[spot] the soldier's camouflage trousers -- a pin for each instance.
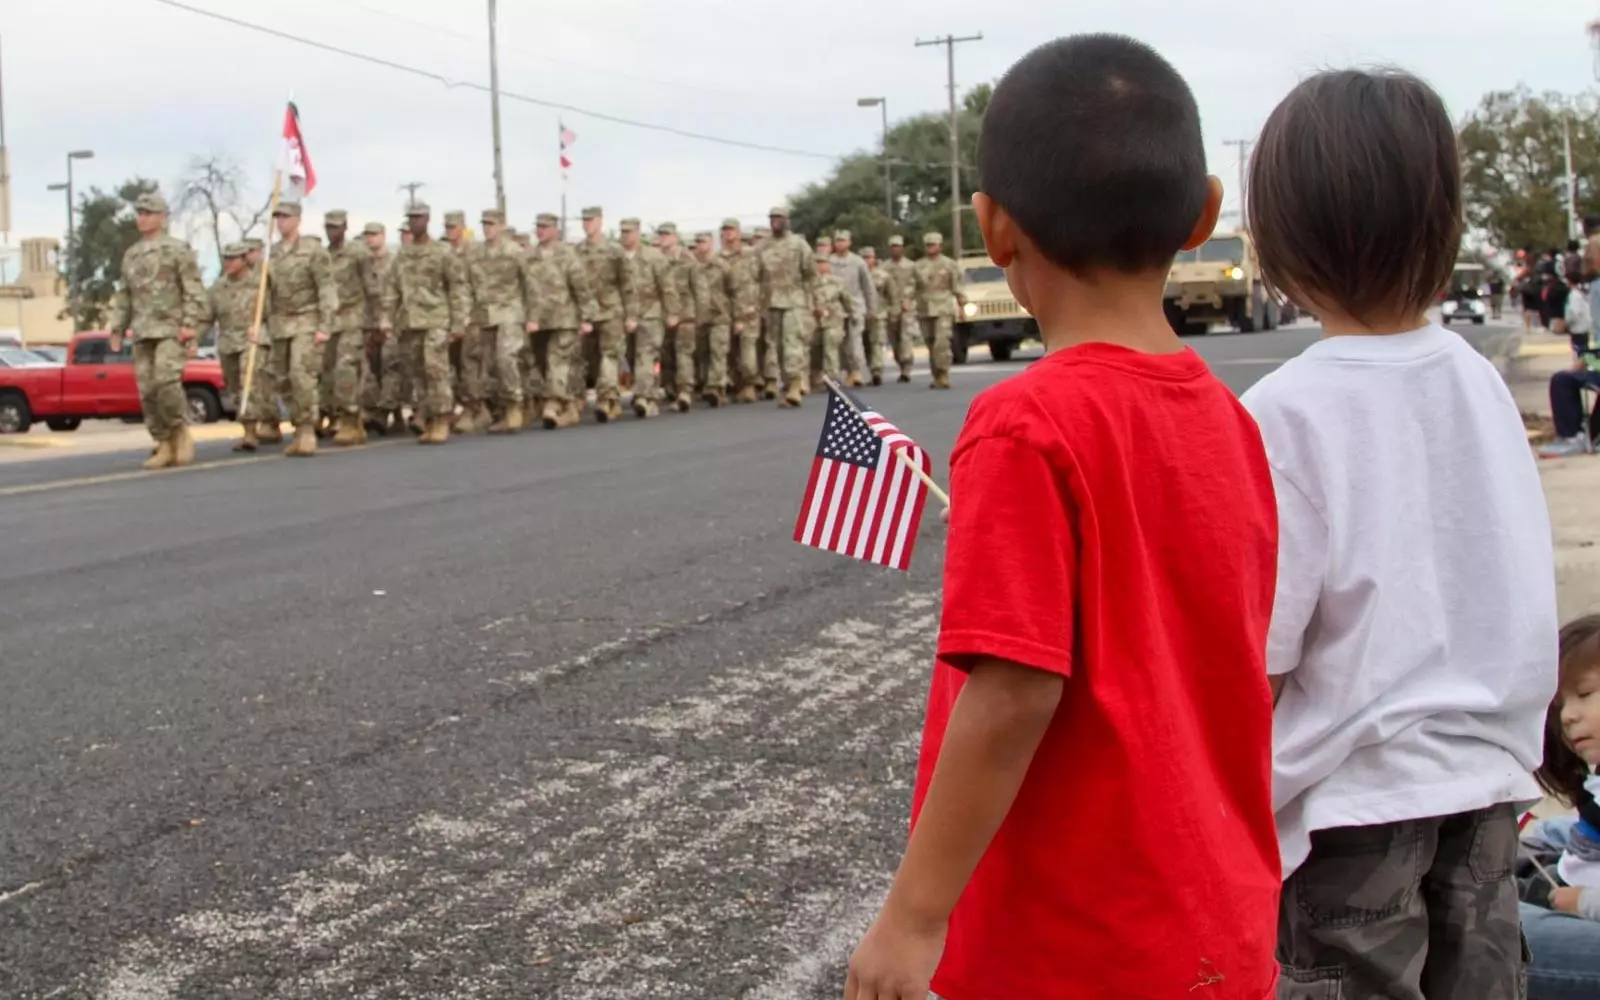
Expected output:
(551, 356)
(342, 359)
(158, 369)
(602, 349)
(903, 329)
(387, 385)
(826, 342)
(644, 351)
(875, 344)
(297, 364)
(936, 334)
(706, 357)
(427, 362)
(791, 343)
(261, 406)
(466, 366)
(504, 347)
(853, 354)
(769, 351)
(749, 373)
(1417, 910)
(669, 359)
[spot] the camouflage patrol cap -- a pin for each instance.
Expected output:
(824, 258)
(823, 245)
(932, 239)
(629, 225)
(418, 208)
(253, 244)
(763, 231)
(233, 250)
(493, 215)
(337, 217)
(730, 223)
(546, 219)
(150, 202)
(869, 251)
(287, 208)
(373, 229)
(667, 229)
(897, 241)
(455, 218)
(702, 237)
(778, 212)
(593, 212)
(841, 234)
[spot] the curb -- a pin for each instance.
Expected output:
(222, 430)
(37, 442)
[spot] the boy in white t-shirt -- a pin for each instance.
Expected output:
(1412, 647)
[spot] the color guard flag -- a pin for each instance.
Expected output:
(296, 164)
(863, 500)
(568, 137)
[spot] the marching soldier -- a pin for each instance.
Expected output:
(686, 276)
(835, 309)
(788, 274)
(884, 304)
(382, 391)
(502, 285)
(429, 283)
(611, 279)
(356, 279)
(745, 269)
(903, 328)
(252, 253)
(466, 350)
(851, 273)
(939, 301)
(303, 303)
(716, 312)
(564, 308)
(231, 307)
(657, 290)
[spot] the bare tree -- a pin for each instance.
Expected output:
(211, 196)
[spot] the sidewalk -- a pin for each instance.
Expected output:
(96, 437)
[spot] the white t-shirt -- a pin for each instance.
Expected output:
(1416, 607)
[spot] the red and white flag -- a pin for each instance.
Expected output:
(863, 500)
(296, 162)
(568, 137)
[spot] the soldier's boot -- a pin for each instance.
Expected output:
(249, 441)
(905, 373)
(325, 426)
(182, 446)
(746, 395)
(510, 423)
(877, 378)
(416, 424)
(269, 432)
(164, 456)
(571, 414)
(795, 395)
(350, 431)
(466, 422)
(941, 380)
(551, 415)
(769, 391)
(437, 432)
(375, 423)
(305, 441)
(713, 397)
(854, 381)
(608, 410)
(682, 403)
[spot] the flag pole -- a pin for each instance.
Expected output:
(261, 298)
(561, 146)
(900, 453)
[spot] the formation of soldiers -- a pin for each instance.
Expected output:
(465, 336)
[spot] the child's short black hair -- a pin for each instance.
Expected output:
(1355, 193)
(1092, 144)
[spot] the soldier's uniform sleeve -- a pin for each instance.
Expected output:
(455, 276)
(528, 282)
(700, 288)
(390, 301)
(582, 292)
(213, 312)
(191, 287)
(848, 301)
(626, 285)
(958, 283)
(371, 288)
(808, 274)
(869, 293)
(327, 291)
(661, 274)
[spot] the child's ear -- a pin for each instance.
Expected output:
(1207, 223)
(999, 232)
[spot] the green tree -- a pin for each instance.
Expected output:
(1513, 161)
(852, 196)
(106, 229)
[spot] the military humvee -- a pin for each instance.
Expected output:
(992, 315)
(1220, 282)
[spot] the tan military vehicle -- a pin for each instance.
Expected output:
(992, 315)
(1220, 282)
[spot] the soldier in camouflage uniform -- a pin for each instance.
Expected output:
(885, 302)
(466, 350)
(686, 276)
(252, 253)
(564, 308)
(231, 308)
(835, 308)
(502, 285)
(429, 283)
(657, 290)
(611, 279)
(851, 273)
(767, 344)
(903, 329)
(304, 304)
(715, 311)
(744, 267)
(383, 389)
(939, 300)
(356, 278)
(788, 274)
(159, 304)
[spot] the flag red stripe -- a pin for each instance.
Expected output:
(915, 525)
(805, 506)
(863, 511)
(882, 545)
(827, 513)
(908, 491)
(839, 499)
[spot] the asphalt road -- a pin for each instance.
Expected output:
(563, 715)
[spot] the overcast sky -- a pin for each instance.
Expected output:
(147, 86)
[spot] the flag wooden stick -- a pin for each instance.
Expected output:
(261, 300)
(900, 453)
(1545, 872)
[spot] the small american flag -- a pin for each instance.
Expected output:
(862, 500)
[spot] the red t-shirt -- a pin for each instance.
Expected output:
(1114, 522)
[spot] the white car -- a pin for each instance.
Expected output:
(1463, 310)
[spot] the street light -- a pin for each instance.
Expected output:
(72, 232)
(66, 261)
(888, 185)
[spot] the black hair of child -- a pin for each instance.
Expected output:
(1092, 144)
(1563, 772)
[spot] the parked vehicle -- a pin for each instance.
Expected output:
(992, 315)
(95, 383)
(54, 355)
(1219, 282)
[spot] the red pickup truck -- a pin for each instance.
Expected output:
(95, 383)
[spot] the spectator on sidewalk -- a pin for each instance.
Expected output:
(1413, 637)
(1107, 591)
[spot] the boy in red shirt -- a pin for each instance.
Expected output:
(1093, 808)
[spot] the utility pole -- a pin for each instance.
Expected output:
(411, 192)
(1243, 146)
(494, 112)
(949, 42)
(5, 185)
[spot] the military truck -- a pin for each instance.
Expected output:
(992, 315)
(1220, 282)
